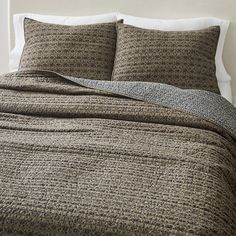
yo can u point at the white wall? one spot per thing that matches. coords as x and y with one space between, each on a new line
3 36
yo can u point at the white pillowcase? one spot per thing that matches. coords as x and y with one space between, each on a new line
18 21
191 24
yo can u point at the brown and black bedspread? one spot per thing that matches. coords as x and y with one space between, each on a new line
81 161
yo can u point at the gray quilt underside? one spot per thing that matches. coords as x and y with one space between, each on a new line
208 105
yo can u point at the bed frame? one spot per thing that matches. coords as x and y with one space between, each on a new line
149 8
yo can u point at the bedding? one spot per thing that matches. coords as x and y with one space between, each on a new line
89 157
185 59
18 22
186 25
223 78
85 50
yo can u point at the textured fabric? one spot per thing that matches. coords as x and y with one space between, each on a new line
18 24
198 102
187 24
85 50
77 161
185 59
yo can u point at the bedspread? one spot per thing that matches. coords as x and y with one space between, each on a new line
76 160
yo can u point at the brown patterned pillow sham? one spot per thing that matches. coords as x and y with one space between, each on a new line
185 59
86 51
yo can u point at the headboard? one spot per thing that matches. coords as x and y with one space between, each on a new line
146 8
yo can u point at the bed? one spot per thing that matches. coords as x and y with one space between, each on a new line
89 155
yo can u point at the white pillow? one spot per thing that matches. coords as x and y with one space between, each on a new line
191 24
18 21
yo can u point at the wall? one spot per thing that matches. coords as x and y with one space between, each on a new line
3 36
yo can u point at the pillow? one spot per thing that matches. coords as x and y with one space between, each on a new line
86 51
223 77
185 59
18 21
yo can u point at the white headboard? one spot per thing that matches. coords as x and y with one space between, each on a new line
224 9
